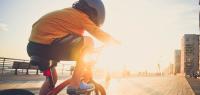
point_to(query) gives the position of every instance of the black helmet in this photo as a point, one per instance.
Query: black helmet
(93, 8)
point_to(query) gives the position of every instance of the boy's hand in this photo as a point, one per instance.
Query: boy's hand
(115, 42)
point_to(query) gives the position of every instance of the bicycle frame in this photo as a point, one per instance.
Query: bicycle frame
(87, 77)
(60, 87)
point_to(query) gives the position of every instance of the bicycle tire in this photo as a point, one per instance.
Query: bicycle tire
(16, 92)
(99, 89)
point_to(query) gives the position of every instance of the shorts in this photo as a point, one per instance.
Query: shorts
(61, 49)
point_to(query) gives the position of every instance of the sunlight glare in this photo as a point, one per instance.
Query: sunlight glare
(111, 59)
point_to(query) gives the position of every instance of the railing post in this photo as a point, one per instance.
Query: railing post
(3, 64)
(27, 69)
(37, 72)
(16, 71)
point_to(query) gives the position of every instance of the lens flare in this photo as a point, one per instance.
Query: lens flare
(88, 57)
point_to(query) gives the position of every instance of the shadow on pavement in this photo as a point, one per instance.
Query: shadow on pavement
(28, 91)
(194, 84)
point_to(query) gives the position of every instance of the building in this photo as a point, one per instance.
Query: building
(189, 54)
(177, 61)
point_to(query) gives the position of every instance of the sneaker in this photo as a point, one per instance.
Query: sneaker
(84, 87)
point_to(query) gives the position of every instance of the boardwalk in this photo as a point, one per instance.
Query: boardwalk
(195, 84)
(150, 86)
(126, 86)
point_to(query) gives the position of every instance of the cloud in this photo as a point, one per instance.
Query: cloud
(3, 27)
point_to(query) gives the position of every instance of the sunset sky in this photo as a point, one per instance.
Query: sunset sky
(150, 30)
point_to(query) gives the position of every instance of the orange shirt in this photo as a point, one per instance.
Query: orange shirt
(60, 23)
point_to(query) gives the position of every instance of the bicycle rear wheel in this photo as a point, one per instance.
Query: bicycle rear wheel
(15, 92)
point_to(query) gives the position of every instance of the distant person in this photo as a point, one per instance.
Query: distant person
(107, 79)
(60, 34)
(71, 69)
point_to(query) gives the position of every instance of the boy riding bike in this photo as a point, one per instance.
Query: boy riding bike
(60, 35)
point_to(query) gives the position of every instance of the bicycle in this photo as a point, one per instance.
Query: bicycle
(97, 89)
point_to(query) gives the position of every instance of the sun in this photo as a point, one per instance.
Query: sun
(111, 59)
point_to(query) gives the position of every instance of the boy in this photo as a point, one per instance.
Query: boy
(60, 34)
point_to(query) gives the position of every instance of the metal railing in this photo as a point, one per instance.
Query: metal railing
(6, 63)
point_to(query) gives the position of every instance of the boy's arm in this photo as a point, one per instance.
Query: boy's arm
(98, 33)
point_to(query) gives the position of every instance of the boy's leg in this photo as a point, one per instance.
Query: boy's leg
(76, 77)
(39, 54)
(46, 87)
(80, 65)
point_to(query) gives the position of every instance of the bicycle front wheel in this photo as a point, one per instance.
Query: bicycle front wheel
(99, 89)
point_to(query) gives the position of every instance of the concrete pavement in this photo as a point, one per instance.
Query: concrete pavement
(171, 85)
(195, 85)
(150, 86)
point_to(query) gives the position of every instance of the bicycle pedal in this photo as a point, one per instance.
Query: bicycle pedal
(73, 91)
